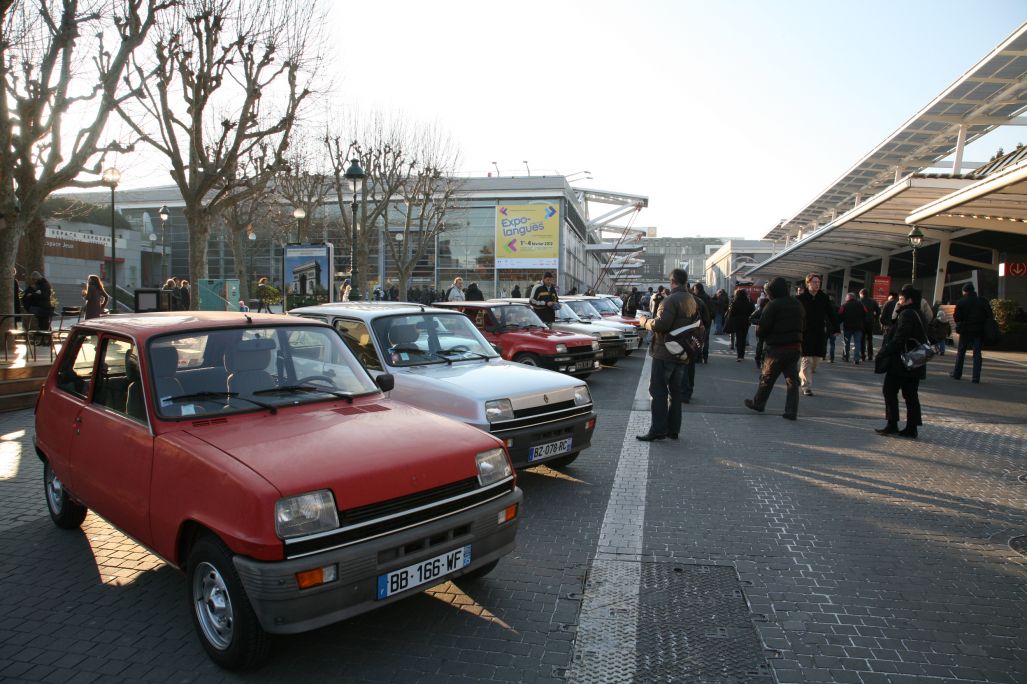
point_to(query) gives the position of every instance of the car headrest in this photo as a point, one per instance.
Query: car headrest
(250, 355)
(403, 334)
(164, 360)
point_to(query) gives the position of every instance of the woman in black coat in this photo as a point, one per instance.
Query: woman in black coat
(909, 328)
(738, 320)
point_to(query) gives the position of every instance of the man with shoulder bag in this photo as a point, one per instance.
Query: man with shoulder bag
(669, 373)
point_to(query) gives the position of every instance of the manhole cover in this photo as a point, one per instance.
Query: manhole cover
(1019, 544)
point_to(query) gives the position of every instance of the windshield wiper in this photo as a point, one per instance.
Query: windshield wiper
(472, 354)
(308, 388)
(217, 395)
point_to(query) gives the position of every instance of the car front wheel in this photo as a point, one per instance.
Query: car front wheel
(527, 359)
(224, 619)
(64, 511)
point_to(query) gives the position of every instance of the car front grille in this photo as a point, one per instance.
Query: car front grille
(375, 520)
(541, 415)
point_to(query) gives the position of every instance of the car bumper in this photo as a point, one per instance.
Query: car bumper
(520, 441)
(283, 608)
(571, 365)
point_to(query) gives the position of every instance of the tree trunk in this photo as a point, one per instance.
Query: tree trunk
(8, 245)
(31, 247)
(199, 234)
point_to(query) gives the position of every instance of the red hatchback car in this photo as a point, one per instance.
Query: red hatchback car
(256, 453)
(521, 336)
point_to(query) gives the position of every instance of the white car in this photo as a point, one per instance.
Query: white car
(586, 309)
(610, 337)
(443, 364)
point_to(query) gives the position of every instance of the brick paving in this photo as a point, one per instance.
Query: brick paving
(863, 559)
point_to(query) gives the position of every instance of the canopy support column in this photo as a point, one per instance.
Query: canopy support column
(885, 263)
(943, 267)
(957, 163)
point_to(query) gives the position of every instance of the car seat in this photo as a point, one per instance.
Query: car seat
(247, 366)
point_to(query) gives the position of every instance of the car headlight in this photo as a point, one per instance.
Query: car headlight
(499, 409)
(612, 333)
(581, 396)
(595, 346)
(296, 516)
(561, 349)
(493, 466)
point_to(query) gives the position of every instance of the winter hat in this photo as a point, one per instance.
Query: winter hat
(968, 287)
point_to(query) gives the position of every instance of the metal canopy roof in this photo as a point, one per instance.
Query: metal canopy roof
(872, 230)
(992, 93)
(997, 202)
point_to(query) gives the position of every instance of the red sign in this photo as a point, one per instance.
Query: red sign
(882, 286)
(1018, 268)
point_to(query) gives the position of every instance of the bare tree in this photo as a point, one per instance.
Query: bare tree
(303, 186)
(58, 67)
(380, 146)
(427, 196)
(228, 87)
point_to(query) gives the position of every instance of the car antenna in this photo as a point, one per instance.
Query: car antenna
(249, 321)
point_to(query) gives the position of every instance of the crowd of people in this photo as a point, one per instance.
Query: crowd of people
(795, 333)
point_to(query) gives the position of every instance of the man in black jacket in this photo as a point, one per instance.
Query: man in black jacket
(699, 292)
(821, 321)
(669, 373)
(781, 329)
(873, 310)
(971, 313)
(544, 299)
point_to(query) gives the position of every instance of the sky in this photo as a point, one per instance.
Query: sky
(728, 115)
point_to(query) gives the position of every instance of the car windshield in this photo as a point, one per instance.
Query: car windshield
(429, 338)
(517, 317)
(605, 306)
(251, 368)
(585, 310)
(565, 314)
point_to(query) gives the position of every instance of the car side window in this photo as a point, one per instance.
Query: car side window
(76, 372)
(118, 382)
(357, 337)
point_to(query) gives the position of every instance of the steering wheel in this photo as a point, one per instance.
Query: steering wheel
(311, 378)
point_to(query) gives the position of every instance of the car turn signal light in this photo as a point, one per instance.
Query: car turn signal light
(507, 514)
(317, 576)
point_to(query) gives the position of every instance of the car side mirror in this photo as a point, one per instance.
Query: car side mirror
(385, 382)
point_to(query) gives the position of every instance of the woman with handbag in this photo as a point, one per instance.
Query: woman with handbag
(909, 331)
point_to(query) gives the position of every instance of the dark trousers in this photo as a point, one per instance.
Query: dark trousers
(741, 336)
(910, 394)
(667, 389)
(973, 343)
(868, 341)
(777, 362)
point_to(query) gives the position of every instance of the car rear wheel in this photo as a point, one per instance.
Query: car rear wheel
(224, 619)
(64, 511)
(527, 359)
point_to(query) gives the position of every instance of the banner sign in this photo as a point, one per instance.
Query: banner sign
(308, 270)
(73, 245)
(882, 286)
(528, 236)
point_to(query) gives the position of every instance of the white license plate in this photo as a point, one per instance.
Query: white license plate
(551, 449)
(425, 571)
(582, 365)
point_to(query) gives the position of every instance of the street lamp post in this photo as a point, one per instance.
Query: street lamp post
(164, 215)
(916, 239)
(299, 213)
(111, 176)
(355, 174)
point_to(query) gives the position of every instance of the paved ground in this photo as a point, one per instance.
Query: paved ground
(755, 549)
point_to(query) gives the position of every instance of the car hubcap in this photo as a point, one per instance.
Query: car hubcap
(54, 491)
(213, 606)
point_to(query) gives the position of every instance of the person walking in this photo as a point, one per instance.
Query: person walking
(699, 292)
(853, 316)
(971, 314)
(754, 319)
(184, 294)
(96, 297)
(738, 321)
(455, 293)
(872, 320)
(721, 303)
(668, 373)
(544, 299)
(473, 294)
(909, 326)
(820, 322)
(515, 293)
(780, 330)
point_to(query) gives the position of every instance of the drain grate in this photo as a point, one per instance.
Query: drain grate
(659, 622)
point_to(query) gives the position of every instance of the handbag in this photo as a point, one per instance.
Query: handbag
(917, 354)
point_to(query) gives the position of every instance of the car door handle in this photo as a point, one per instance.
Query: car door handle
(78, 419)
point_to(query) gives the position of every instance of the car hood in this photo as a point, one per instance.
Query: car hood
(364, 452)
(556, 336)
(480, 381)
